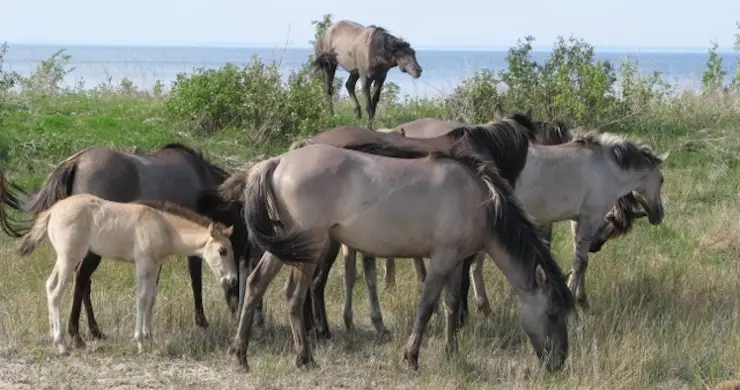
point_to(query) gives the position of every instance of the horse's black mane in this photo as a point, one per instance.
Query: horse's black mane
(387, 45)
(219, 173)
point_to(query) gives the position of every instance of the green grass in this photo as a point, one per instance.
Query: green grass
(665, 299)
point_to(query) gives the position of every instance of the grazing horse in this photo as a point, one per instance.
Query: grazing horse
(175, 173)
(439, 206)
(144, 233)
(367, 53)
(492, 141)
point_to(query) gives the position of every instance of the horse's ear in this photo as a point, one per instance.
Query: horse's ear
(663, 156)
(228, 231)
(540, 278)
(211, 229)
(498, 112)
(402, 131)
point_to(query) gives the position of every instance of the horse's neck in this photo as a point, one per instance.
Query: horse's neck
(188, 238)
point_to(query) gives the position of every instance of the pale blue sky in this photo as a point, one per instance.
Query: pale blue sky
(451, 24)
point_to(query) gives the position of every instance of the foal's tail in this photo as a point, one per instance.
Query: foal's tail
(31, 240)
(258, 195)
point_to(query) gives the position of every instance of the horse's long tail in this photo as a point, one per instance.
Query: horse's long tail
(324, 61)
(10, 196)
(33, 238)
(57, 186)
(257, 194)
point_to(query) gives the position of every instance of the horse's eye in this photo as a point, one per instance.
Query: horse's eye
(222, 251)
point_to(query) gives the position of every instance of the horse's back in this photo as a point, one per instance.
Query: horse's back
(348, 191)
(427, 128)
(348, 40)
(119, 176)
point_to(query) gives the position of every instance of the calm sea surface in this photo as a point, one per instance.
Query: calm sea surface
(442, 69)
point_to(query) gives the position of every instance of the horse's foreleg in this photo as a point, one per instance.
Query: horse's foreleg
(301, 278)
(195, 266)
(257, 283)
(583, 231)
(81, 297)
(55, 286)
(440, 267)
(350, 85)
(373, 104)
(479, 285)
(390, 272)
(350, 277)
(146, 288)
(371, 281)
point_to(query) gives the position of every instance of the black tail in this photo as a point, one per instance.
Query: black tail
(324, 61)
(10, 196)
(294, 246)
(57, 186)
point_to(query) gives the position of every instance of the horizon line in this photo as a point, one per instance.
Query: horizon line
(493, 48)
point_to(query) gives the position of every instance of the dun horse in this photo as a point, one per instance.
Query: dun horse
(144, 234)
(175, 173)
(376, 215)
(367, 53)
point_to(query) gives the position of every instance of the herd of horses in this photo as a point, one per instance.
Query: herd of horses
(450, 192)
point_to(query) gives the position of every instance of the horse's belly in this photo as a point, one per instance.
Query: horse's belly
(112, 246)
(383, 242)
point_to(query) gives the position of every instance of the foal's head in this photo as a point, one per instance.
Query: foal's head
(219, 254)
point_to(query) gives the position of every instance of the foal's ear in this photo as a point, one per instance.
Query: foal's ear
(620, 154)
(663, 156)
(540, 278)
(498, 112)
(228, 231)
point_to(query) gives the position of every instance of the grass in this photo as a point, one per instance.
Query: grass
(665, 300)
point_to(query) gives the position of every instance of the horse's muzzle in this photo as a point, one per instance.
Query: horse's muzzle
(228, 281)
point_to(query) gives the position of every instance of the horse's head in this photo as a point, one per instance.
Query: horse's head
(405, 58)
(648, 189)
(544, 321)
(618, 221)
(219, 255)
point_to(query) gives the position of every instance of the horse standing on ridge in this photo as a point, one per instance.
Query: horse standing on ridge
(367, 53)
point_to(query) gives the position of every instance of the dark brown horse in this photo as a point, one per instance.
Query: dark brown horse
(175, 173)
(367, 53)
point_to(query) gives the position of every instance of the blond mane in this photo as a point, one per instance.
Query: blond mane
(628, 154)
(182, 212)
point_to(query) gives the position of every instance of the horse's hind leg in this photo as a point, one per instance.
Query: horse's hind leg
(318, 287)
(350, 85)
(195, 266)
(479, 285)
(147, 273)
(463, 286)
(371, 281)
(302, 278)
(55, 286)
(350, 278)
(82, 290)
(257, 282)
(390, 272)
(452, 300)
(583, 230)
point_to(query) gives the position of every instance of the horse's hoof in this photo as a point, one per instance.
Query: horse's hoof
(78, 342)
(201, 321)
(305, 361)
(97, 334)
(484, 308)
(348, 323)
(62, 350)
(583, 303)
(323, 334)
(412, 362)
